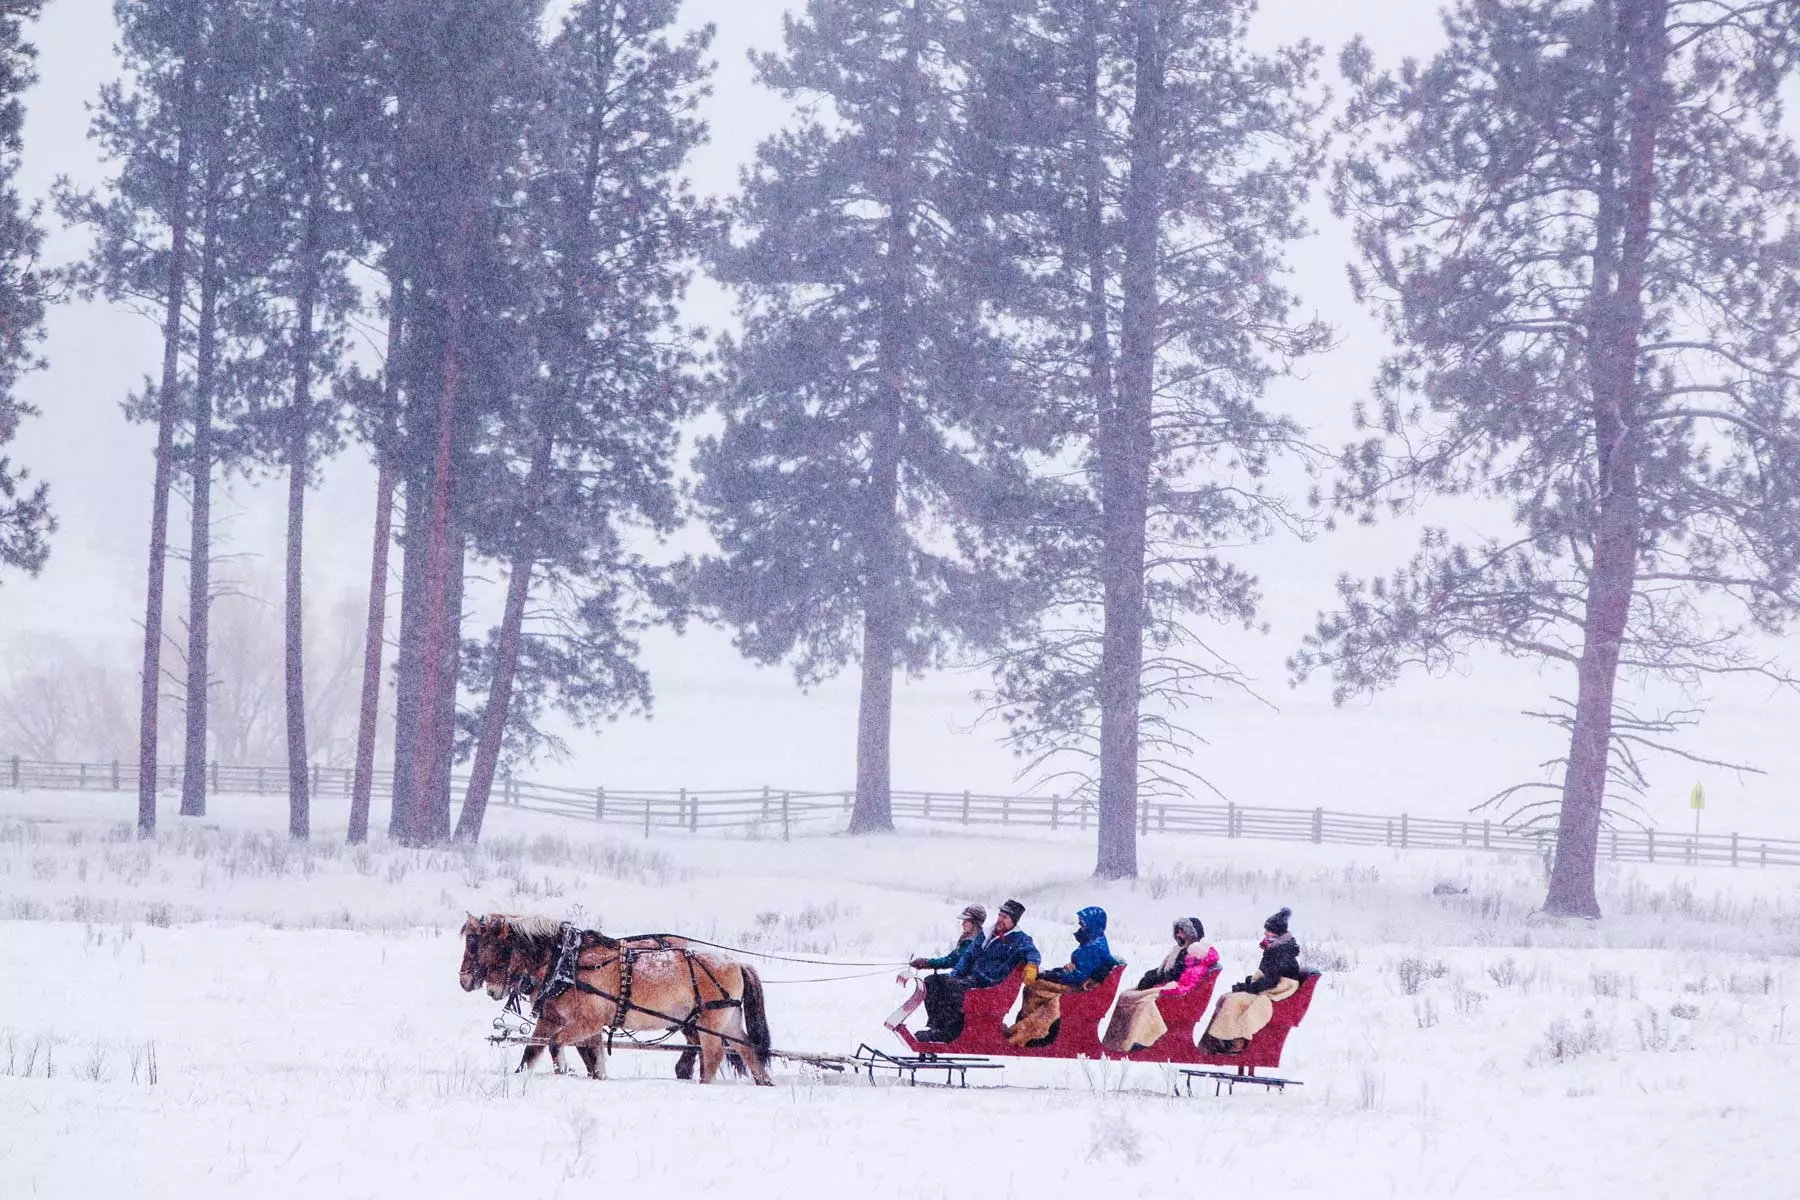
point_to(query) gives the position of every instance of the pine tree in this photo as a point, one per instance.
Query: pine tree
(1581, 221)
(461, 77)
(150, 127)
(1147, 171)
(610, 233)
(25, 518)
(871, 411)
(313, 109)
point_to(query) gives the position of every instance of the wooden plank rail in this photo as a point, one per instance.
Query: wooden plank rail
(770, 812)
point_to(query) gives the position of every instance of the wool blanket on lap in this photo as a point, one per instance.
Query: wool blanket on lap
(1241, 1014)
(1040, 1007)
(1136, 1021)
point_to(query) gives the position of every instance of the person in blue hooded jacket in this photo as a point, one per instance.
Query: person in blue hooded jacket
(1092, 959)
(1040, 1005)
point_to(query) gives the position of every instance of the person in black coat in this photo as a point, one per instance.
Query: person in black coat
(1280, 957)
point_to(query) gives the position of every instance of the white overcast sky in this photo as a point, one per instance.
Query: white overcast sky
(1428, 746)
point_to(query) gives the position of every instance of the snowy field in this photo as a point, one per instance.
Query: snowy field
(220, 1013)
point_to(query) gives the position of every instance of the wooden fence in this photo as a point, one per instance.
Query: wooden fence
(783, 813)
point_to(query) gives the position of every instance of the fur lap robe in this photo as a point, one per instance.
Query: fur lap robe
(1136, 1022)
(1040, 1007)
(1242, 1014)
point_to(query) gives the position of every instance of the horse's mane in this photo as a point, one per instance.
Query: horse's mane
(537, 931)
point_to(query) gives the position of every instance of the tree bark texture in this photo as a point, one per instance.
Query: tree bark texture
(199, 679)
(409, 699)
(299, 416)
(363, 786)
(1125, 451)
(1618, 318)
(165, 451)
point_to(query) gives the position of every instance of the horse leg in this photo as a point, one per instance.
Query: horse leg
(589, 1056)
(712, 1049)
(528, 1058)
(744, 1047)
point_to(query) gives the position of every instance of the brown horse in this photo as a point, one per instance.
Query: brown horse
(630, 985)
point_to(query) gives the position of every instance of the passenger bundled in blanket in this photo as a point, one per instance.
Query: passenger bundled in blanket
(984, 963)
(1136, 1022)
(1251, 1004)
(1040, 1007)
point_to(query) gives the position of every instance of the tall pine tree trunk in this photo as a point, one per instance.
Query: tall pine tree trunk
(408, 669)
(436, 614)
(506, 656)
(299, 418)
(167, 407)
(363, 787)
(884, 618)
(435, 822)
(199, 680)
(1618, 328)
(1125, 450)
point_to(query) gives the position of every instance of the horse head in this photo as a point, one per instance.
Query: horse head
(474, 933)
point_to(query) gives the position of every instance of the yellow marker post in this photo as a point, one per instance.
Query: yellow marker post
(1697, 802)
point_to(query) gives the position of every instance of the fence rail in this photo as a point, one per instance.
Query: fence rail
(784, 813)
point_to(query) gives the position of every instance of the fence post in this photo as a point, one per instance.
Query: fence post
(1403, 831)
(1005, 809)
(1765, 854)
(215, 776)
(1143, 817)
(315, 779)
(765, 798)
(786, 832)
(1486, 830)
(1231, 818)
(693, 811)
(599, 804)
(1162, 818)
(646, 814)
(965, 819)
(1615, 845)
(1083, 811)
(1387, 836)
(927, 806)
(1055, 805)
(15, 770)
(1318, 825)
(259, 779)
(890, 805)
(81, 777)
(1650, 843)
(115, 774)
(1734, 861)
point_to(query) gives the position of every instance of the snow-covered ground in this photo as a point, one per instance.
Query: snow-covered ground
(300, 1007)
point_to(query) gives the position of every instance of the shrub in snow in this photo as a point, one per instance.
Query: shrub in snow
(1686, 1012)
(1413, 972)
(1566, 1041)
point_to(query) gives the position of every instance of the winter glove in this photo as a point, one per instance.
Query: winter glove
(1030, 973)
(917, 964)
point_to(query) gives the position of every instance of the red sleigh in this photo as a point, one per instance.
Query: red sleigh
(1077, 1035)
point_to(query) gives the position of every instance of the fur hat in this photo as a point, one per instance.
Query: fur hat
(975, 913)
(1192, 927)
(1013, 909)
(1277, 924)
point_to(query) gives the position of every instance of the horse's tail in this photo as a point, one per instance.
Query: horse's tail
(756, 1013)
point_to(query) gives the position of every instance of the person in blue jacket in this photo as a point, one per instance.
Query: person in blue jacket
(1040, 1005)
(1092, 959)
(984, 963)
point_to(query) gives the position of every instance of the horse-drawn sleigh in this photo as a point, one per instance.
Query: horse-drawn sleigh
(593, 994)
